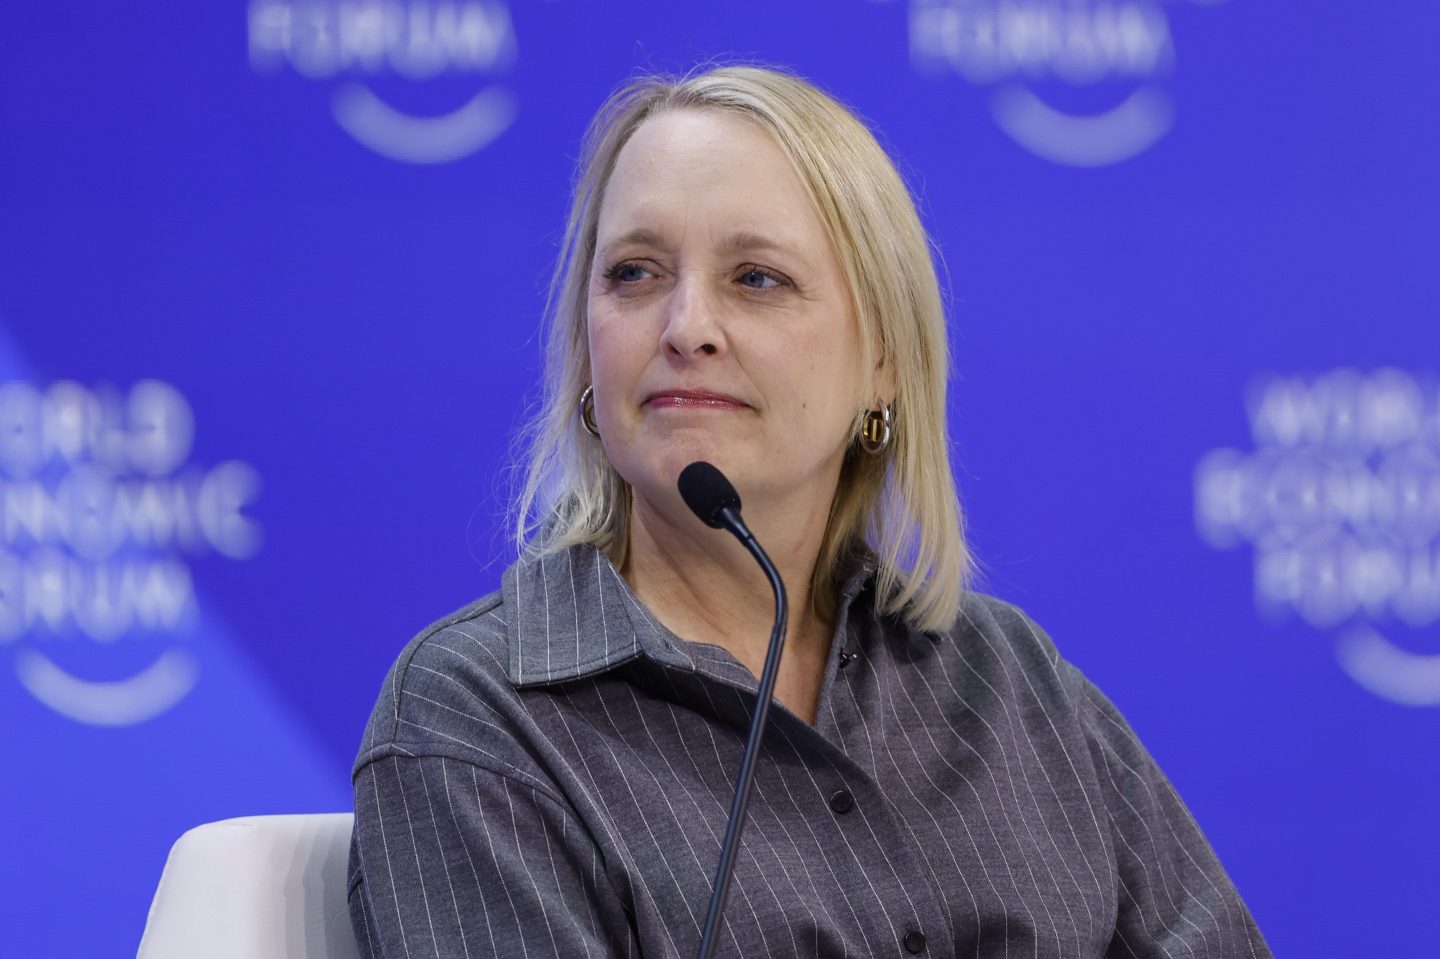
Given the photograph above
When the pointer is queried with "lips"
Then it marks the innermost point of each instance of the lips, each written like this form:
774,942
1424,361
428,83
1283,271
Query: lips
694,399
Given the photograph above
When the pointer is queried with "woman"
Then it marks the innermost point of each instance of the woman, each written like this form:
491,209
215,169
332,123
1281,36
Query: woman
548,771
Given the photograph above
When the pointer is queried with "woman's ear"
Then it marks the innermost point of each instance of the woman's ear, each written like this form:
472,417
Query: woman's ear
882,384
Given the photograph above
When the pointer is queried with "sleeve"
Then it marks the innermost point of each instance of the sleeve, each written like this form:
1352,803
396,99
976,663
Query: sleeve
457,860
1175,899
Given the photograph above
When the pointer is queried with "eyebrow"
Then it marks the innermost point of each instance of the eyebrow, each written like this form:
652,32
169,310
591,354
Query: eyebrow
640,236
754,241
734,243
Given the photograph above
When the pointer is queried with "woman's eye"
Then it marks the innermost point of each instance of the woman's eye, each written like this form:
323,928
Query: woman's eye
627,272
759,279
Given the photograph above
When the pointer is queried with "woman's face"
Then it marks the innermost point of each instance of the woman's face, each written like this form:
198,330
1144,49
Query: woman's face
720,327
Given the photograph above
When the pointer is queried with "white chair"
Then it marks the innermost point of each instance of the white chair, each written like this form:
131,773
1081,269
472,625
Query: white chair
262,887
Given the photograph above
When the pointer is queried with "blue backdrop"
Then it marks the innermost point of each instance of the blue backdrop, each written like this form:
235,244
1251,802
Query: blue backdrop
270,279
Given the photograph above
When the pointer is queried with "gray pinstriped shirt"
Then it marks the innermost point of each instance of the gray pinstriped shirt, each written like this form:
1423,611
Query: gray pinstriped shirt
548,772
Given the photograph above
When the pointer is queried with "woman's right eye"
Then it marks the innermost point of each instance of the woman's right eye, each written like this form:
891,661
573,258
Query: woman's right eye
627,272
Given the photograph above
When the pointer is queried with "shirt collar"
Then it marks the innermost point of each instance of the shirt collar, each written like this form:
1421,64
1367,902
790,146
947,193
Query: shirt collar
571,615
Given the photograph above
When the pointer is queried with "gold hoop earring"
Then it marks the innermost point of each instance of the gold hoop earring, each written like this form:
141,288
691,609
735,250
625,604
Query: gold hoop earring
876,430
587,412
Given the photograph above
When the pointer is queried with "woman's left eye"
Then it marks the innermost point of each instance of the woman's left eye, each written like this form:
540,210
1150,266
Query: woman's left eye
758,279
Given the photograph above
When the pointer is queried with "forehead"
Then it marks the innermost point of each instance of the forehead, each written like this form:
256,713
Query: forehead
721,174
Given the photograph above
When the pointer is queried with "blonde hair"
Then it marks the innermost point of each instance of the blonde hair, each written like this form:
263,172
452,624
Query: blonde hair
902,503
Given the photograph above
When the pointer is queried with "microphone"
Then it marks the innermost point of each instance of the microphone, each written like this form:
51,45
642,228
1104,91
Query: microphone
711,497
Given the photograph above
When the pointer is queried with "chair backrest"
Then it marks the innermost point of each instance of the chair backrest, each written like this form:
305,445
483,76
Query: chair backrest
263,887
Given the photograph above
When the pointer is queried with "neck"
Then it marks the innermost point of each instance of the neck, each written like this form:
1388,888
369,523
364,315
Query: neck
706,587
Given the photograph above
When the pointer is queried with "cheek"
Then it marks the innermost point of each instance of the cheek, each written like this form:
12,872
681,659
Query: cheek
820,383
830,362
618,354
606,340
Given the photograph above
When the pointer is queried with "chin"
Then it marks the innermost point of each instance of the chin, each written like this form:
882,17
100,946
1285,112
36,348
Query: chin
657,472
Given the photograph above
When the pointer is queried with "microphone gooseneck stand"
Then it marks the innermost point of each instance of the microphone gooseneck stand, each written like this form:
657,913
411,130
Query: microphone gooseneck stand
711,497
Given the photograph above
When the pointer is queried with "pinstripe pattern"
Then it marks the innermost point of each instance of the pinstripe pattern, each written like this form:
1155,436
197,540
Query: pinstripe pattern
548,772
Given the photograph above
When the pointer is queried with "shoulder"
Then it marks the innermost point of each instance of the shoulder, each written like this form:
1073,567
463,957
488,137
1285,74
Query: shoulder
988,619
446,690
1005,648
1023,654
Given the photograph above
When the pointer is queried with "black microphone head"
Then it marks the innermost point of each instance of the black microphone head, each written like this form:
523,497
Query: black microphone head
707,492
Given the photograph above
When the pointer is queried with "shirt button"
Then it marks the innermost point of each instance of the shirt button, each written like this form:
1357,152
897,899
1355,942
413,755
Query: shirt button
842,802
914,941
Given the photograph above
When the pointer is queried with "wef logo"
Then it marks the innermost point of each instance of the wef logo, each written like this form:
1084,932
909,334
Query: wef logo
100,512
355,43
1339,500
1115,54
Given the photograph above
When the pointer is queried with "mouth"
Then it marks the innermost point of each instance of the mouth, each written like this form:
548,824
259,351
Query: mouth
694,399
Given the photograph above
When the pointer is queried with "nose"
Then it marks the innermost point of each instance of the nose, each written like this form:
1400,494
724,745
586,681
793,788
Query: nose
692,322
